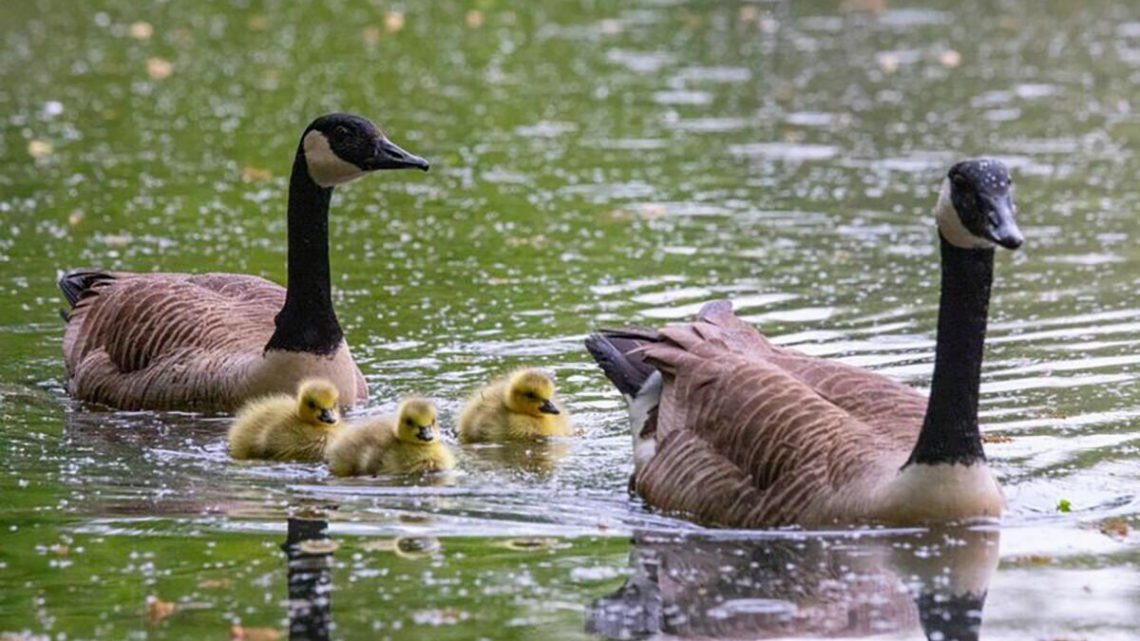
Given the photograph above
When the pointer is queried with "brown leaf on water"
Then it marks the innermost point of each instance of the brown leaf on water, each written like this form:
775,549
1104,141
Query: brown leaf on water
1031,560
39,148
142,30
255,174
949,58
242,633
258,22
996,438
394,21
215,584
474,19
159,68
749,13
75,217
1115,527
157,609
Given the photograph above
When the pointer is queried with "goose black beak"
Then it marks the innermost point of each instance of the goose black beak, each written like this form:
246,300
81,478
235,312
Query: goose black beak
425,434
1000,226
327,416
389,155
548,408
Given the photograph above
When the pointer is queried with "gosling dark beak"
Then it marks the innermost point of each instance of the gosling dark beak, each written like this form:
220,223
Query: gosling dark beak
426,434
548,408
389,155
1000,226
327,416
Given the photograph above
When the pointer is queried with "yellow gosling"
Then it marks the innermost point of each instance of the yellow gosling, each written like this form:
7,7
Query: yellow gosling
521,406
409,444
284,428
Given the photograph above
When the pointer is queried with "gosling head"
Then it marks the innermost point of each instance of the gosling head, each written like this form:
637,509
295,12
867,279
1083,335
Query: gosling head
317,401
341,147
417,422
975,207
531,391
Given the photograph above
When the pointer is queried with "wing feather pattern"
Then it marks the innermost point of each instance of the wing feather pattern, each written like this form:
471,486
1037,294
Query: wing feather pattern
167,341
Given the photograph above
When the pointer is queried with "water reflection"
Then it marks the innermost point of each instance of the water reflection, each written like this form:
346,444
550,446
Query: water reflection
309,552
842,585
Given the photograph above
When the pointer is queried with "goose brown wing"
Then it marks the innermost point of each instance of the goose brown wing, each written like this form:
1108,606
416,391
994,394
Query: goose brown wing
887,405
741,442
134,340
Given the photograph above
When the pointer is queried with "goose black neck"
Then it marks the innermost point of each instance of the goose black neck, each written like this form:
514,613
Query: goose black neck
307,322
950,430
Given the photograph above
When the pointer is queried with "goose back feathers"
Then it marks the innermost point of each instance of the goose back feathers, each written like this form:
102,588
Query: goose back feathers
168,341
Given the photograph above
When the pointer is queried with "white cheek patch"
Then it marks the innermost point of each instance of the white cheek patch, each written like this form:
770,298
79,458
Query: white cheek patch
325,167
950,223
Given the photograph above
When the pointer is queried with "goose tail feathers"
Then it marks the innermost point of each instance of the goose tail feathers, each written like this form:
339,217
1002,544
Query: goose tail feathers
76,282
619,355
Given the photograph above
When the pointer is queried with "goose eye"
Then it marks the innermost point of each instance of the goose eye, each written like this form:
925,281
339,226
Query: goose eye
341,130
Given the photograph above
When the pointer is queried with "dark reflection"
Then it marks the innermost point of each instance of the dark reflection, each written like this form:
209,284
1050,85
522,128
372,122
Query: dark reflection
309,550
826,586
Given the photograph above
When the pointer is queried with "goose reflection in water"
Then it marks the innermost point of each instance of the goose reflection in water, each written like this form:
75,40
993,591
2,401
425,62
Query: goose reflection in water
844,585
309,551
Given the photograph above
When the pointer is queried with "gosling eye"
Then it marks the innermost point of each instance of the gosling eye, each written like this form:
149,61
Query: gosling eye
532,396
410,422
312,405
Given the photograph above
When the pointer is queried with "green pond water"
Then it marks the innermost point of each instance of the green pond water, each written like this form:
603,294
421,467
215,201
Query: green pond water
593,163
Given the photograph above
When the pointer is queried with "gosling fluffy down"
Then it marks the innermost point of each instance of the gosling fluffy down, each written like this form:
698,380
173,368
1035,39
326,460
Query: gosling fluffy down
521,406
286,428
408,444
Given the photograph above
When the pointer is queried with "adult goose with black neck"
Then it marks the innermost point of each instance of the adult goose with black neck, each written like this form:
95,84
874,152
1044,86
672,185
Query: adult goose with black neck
213,341
733,430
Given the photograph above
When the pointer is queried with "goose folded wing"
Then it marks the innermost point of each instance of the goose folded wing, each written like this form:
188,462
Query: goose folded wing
888,405
139,321
743,443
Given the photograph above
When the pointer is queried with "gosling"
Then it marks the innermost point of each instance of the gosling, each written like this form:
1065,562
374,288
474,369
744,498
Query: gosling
519,407
410,444
283,428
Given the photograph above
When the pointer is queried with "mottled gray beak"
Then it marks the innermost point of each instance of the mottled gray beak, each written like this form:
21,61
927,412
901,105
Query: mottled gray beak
389,155
1000,226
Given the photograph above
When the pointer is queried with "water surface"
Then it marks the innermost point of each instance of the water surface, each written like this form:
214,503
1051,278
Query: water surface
593,163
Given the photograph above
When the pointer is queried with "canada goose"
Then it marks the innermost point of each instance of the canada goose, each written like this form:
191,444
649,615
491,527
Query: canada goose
212,341
280,427
736,431
408,444
517,407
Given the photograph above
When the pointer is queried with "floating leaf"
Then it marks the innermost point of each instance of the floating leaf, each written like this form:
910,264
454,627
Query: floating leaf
394,21
157,609
1064,506
242,633
142,30
159,68
39,148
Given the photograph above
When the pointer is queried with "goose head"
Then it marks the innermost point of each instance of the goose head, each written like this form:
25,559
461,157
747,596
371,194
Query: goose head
531,391
317,401
417,422
975,207
341,147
